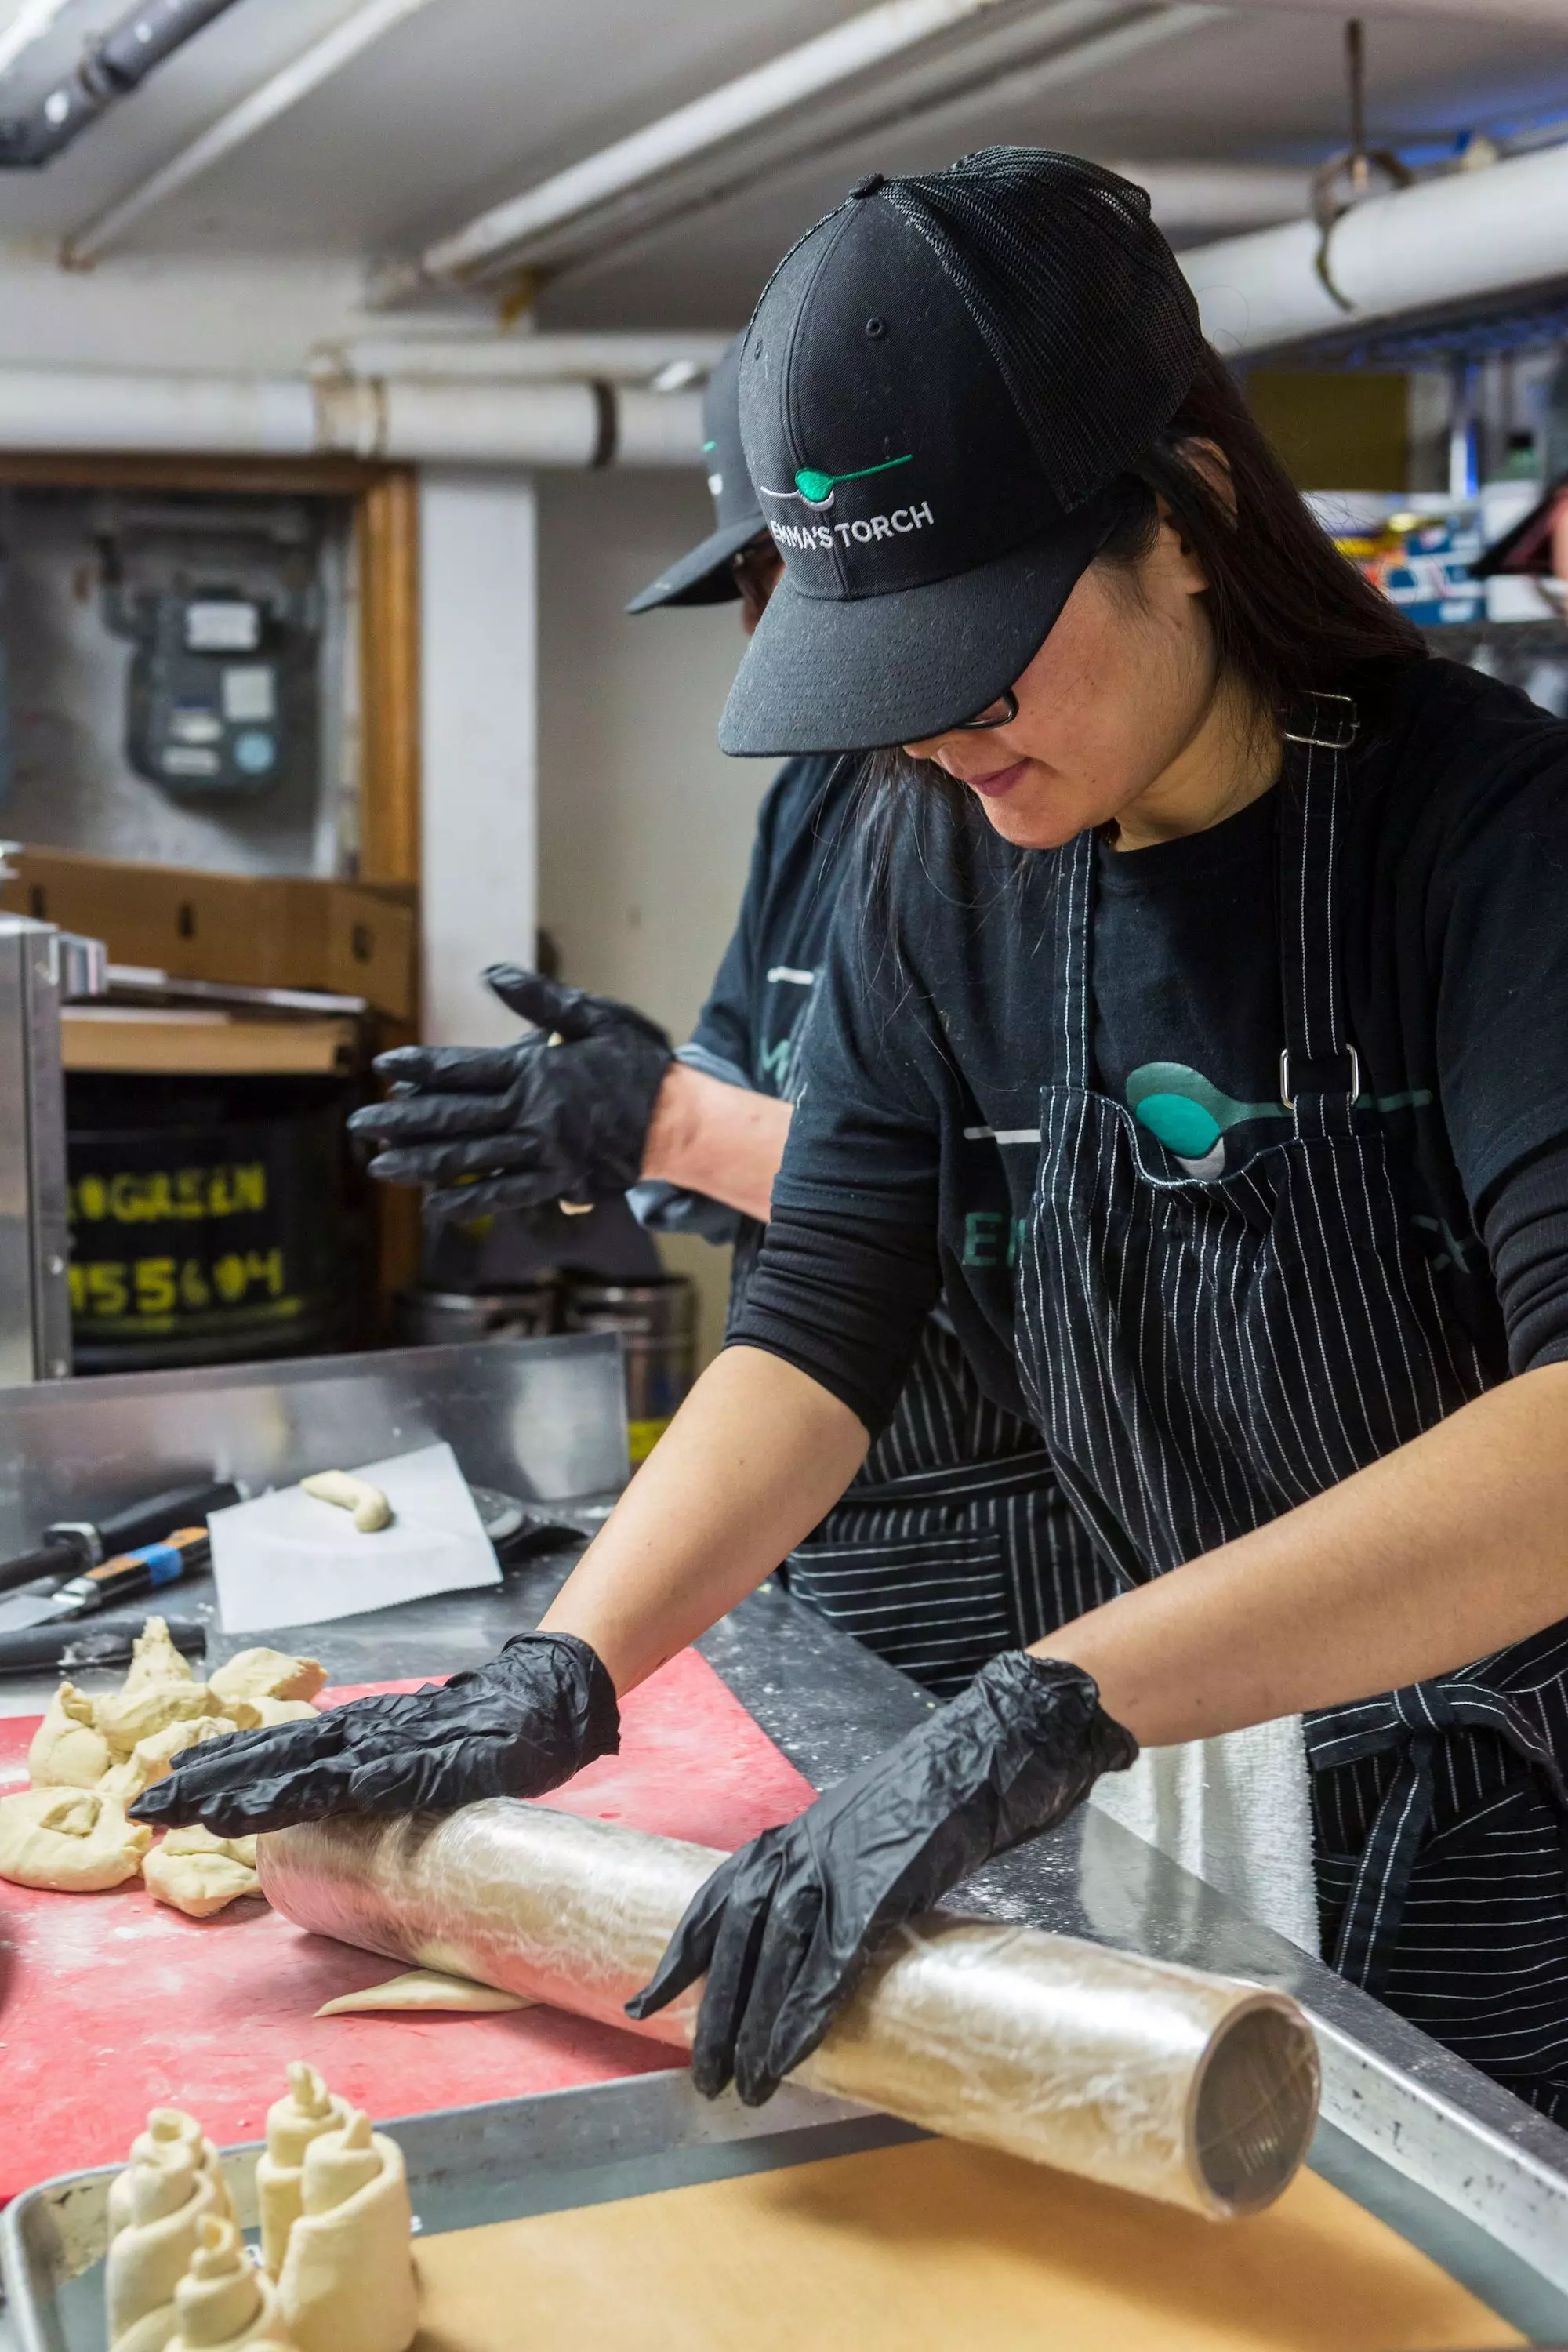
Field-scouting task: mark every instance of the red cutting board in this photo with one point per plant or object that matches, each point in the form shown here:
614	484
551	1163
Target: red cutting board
112	2003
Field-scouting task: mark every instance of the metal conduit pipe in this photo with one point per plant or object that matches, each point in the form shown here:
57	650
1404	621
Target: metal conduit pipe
1447	240
421	421
108	70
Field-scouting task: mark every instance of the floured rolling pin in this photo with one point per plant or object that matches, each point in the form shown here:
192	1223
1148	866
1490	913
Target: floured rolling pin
1194	2089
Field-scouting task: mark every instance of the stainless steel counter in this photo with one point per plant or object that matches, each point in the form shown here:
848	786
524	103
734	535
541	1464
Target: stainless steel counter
1494	2173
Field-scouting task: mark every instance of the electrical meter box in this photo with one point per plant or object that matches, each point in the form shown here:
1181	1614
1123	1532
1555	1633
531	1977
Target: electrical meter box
223	611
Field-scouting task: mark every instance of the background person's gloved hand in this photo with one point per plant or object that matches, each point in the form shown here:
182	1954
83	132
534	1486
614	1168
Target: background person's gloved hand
784	1929
514	1127
516	1727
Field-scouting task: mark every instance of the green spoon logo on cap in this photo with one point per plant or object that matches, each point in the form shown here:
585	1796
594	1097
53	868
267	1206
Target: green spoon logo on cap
817	488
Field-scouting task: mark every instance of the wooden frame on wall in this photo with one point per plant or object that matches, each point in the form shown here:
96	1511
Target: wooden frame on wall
386	538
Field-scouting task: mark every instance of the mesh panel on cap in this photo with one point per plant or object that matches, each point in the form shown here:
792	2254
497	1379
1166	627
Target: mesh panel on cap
1078	295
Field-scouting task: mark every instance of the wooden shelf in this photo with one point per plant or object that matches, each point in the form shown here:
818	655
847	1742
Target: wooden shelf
155	1040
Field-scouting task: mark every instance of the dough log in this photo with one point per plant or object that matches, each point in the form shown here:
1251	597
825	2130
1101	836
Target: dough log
371	1509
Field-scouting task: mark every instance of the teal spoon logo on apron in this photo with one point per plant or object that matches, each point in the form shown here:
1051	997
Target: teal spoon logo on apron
1189	1116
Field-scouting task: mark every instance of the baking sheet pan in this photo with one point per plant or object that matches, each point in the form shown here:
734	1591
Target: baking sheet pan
498	2162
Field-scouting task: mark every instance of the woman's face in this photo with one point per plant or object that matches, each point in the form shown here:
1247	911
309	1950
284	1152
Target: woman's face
1115	711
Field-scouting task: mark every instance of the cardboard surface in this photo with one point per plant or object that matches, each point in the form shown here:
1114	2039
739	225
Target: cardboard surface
928	2247
111	2003
254	930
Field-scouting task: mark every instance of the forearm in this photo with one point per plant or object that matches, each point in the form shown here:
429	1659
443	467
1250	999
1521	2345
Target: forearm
1452	1547
755	1456
721	1140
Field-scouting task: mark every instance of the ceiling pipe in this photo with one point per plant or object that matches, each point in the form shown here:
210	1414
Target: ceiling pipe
1218	196
422	421
630	359
689	162
110	70
275	96
1447	240
1544	16
783	90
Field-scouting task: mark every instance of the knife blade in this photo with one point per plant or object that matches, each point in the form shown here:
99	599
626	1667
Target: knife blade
187	1552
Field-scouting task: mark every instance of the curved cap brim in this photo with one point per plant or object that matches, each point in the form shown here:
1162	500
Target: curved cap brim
703	575
859	673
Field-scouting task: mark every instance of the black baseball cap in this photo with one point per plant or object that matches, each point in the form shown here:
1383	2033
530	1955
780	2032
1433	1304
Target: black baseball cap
941	389
704	576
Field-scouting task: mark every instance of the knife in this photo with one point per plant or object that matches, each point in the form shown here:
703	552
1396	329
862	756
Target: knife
71	1649
72	1544
185	1553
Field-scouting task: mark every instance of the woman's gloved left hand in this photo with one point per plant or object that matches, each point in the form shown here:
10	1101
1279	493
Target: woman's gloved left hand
784	1929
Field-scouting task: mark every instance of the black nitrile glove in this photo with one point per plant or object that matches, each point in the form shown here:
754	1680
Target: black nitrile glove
520	1726
784	1929
514	1127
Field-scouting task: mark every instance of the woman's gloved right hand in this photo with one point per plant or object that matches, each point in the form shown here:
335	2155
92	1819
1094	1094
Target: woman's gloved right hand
519	1727
516	1127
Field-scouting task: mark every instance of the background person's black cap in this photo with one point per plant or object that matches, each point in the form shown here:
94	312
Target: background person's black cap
704	576
940	389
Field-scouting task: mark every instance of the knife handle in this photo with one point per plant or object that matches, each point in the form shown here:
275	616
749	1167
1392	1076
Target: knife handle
147	1522
188	1550
73	1648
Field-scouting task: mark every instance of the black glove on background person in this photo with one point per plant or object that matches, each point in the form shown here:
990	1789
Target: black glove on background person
785	1928
514	1127
517	1727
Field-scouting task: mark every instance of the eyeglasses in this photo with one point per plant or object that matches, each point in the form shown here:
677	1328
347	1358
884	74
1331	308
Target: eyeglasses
1000	713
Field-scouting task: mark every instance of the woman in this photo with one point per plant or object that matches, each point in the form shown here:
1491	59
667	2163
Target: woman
1204	1029
954	1541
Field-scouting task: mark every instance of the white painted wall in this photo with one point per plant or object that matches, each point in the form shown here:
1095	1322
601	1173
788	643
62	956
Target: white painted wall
478	684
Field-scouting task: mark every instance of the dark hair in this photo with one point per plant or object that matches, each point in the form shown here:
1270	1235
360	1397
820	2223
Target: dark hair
1289	612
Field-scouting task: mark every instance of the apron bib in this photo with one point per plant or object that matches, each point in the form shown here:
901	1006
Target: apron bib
1201	1356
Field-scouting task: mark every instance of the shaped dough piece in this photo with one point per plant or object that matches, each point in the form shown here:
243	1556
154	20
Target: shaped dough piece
168	2128
198	1874
347	2283
155	1659
152	1758
129	1716
72	1841
371	1509
68	1751
424	1990
222	2301
163	2198
306	2111
268	1674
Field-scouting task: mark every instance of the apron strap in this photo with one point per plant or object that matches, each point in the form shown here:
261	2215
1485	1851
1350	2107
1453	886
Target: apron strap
1411	1722
1319	1074
1074	898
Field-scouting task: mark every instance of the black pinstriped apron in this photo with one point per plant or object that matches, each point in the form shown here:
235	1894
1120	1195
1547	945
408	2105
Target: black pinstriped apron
955	1541
1201	1356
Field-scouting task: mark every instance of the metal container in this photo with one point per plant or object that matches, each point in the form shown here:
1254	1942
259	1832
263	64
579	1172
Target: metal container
438	1319
656	1324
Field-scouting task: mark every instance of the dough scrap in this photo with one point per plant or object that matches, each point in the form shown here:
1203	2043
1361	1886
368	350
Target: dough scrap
198	1874
72	1841
284	1710
68	1750
268	1674
426	1992
152	1759
129	1716
371	1509
155	1659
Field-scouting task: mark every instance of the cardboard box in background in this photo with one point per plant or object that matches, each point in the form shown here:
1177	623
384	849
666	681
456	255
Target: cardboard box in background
252	930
